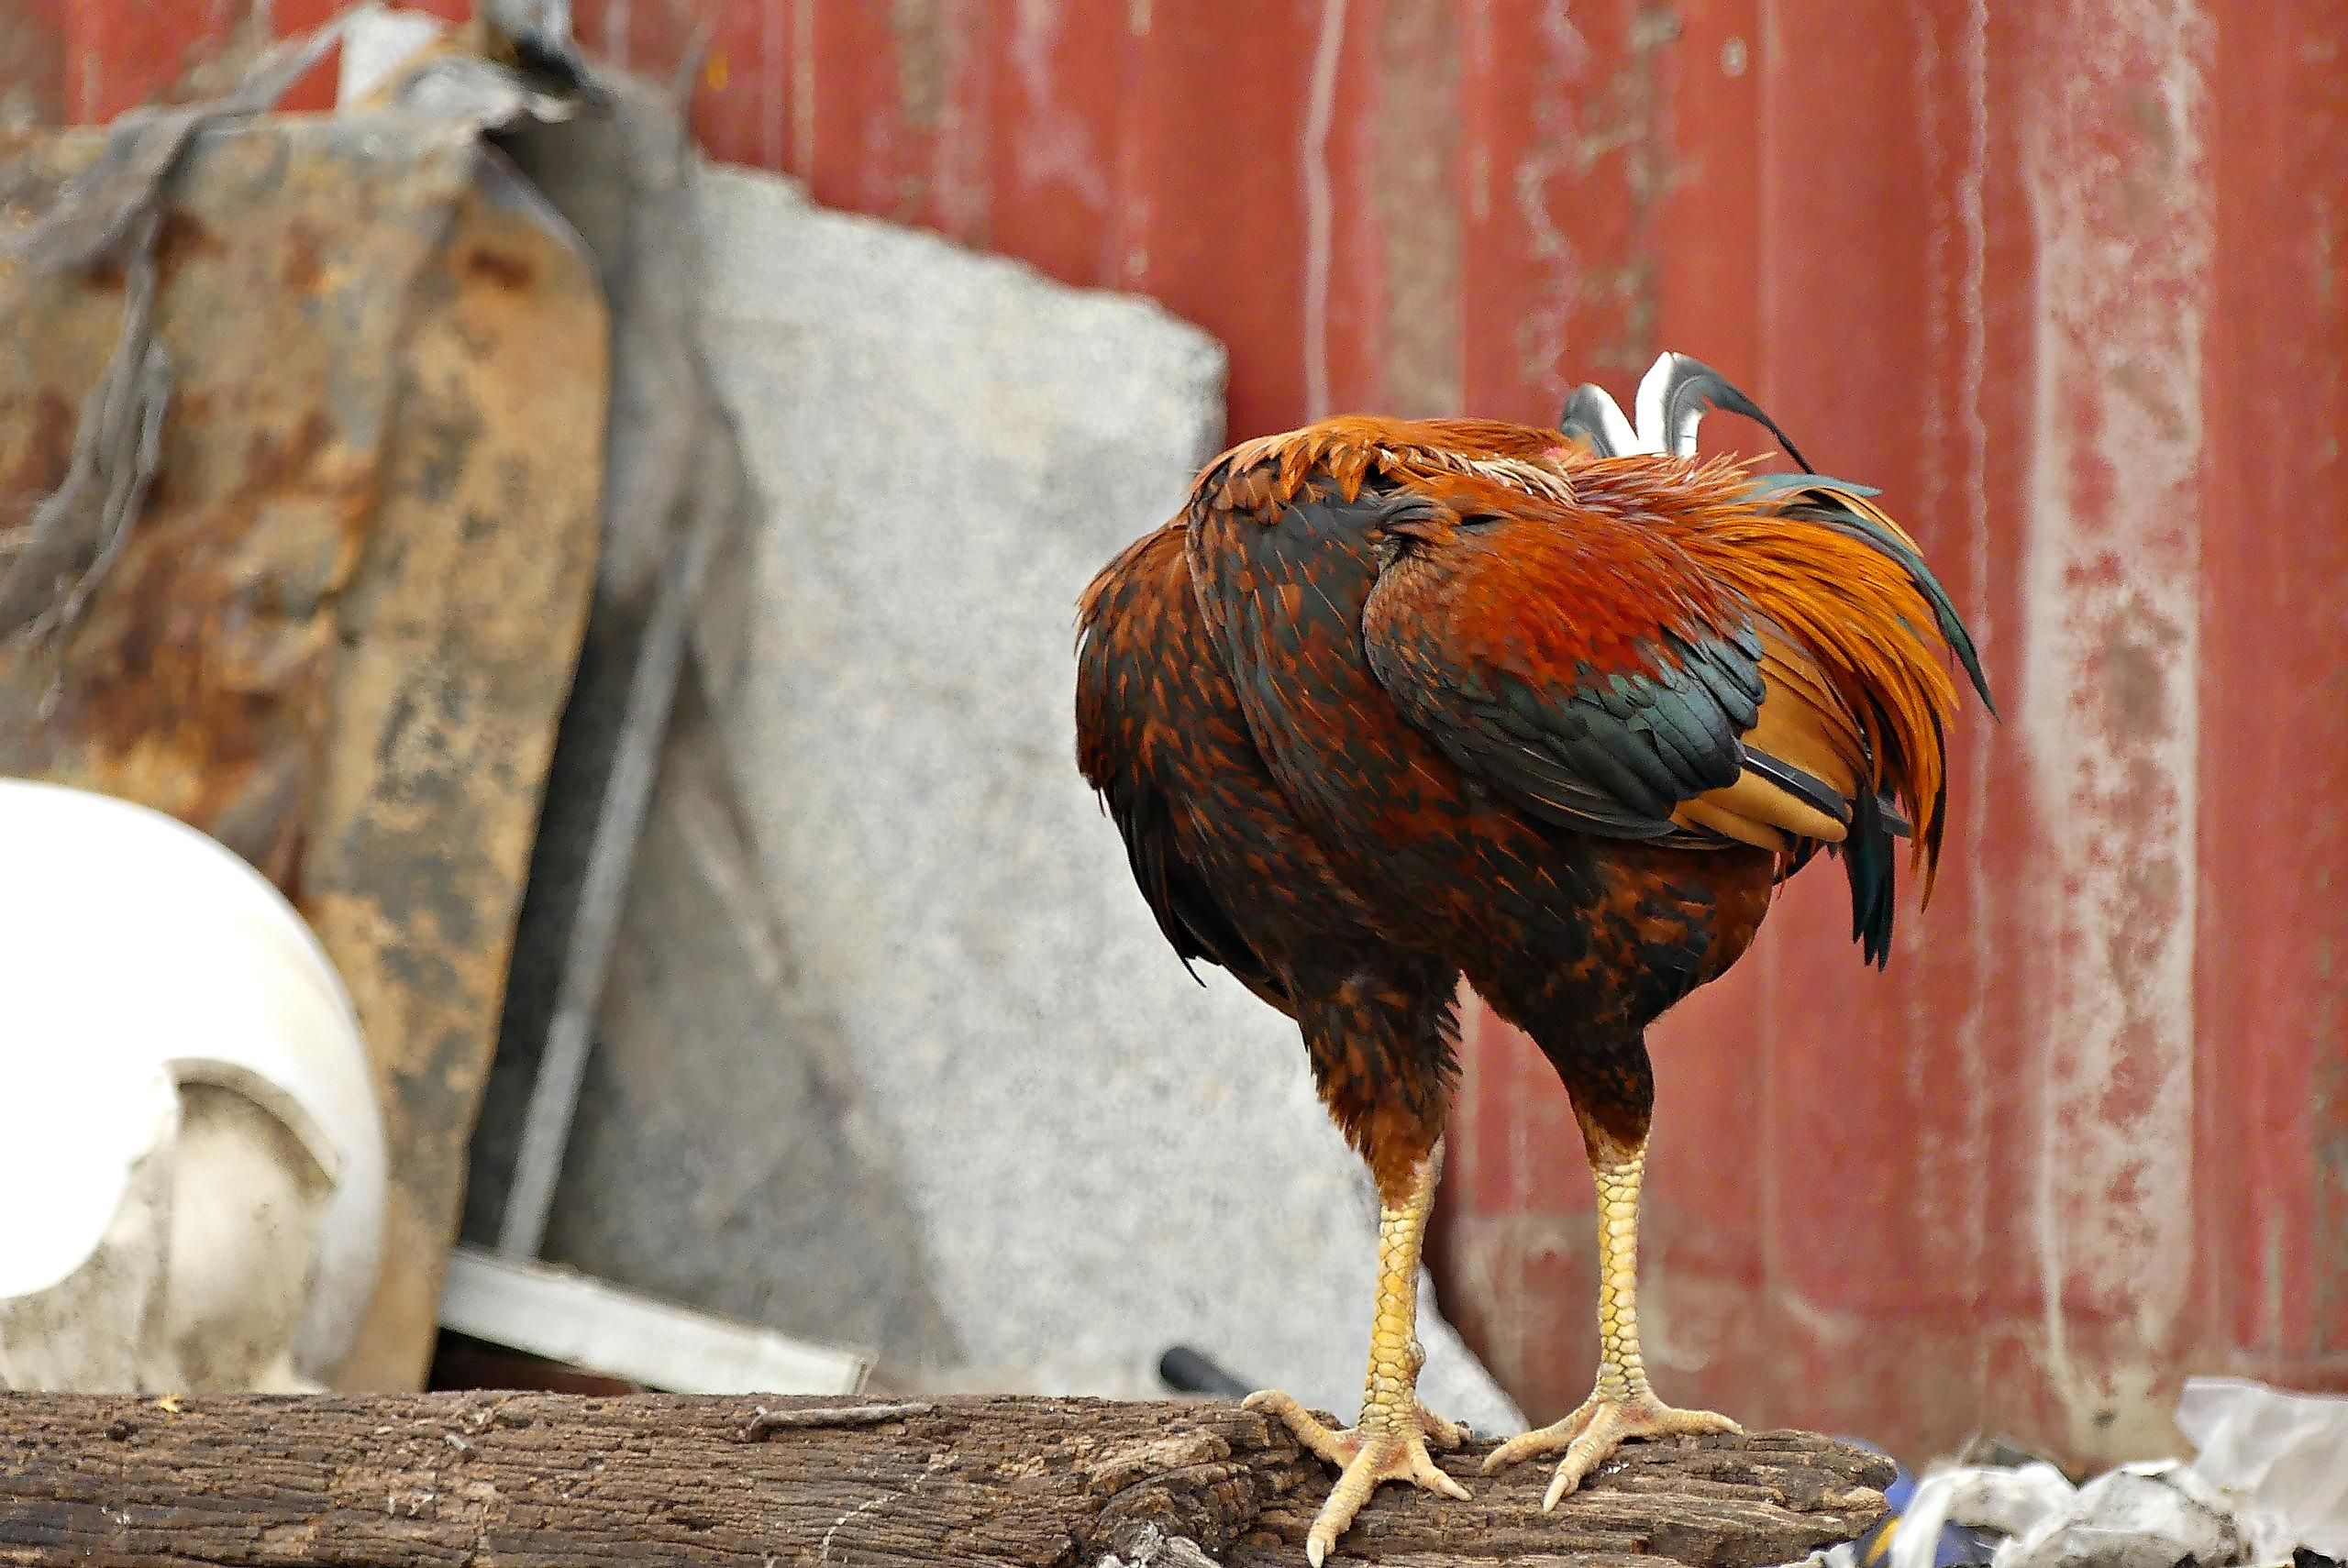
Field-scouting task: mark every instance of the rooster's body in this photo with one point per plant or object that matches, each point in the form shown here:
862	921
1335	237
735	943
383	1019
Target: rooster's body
1394	702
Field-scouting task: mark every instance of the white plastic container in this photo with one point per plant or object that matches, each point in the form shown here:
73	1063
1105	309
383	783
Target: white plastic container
191	1147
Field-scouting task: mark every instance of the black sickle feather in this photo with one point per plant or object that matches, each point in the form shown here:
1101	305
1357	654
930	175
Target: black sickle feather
1693	385
1585	417
1868	857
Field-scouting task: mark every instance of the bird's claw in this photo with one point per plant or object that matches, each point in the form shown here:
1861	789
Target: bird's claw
1595	1430
1364	1458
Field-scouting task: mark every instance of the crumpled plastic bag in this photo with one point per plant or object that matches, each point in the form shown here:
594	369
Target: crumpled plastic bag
2009	1501
2270	1477
2139	1516
2279	1460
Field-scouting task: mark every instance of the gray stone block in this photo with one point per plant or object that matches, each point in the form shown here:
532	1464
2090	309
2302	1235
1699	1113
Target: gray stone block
1102	1157
722	1156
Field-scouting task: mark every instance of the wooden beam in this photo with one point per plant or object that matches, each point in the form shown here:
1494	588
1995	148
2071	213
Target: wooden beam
534	1481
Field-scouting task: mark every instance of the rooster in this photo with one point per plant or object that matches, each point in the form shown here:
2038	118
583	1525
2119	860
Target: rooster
1393	702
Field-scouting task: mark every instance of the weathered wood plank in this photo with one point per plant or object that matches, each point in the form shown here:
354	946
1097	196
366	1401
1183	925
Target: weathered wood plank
536	1480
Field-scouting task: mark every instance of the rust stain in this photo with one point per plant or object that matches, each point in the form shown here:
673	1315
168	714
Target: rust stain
47	421
2138	651
275	463
181	237
1597	131
509	273
305	266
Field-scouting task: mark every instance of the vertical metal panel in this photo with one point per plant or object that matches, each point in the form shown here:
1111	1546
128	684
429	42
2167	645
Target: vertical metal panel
1874	1114
2117	187
2065	280
2272	1137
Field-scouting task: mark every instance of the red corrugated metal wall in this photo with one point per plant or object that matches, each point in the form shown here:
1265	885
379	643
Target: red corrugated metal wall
2064	277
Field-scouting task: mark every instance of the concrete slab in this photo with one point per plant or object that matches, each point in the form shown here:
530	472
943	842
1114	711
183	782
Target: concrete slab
1104	1158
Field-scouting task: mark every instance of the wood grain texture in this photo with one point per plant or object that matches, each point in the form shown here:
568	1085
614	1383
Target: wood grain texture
527	1480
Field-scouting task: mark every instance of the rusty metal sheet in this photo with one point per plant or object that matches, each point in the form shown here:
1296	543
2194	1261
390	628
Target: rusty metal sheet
2066	279
2047	274
2081	1139
341	633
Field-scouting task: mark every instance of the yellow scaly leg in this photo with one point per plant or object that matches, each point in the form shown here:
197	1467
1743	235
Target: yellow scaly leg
1388	1443
1622	1406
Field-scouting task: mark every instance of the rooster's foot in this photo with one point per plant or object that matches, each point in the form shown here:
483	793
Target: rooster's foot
1364	1458
1595	1430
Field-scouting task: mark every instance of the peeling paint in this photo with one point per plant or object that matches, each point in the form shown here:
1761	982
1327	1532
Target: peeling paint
1053	145
1414	196
1610	128
2120	206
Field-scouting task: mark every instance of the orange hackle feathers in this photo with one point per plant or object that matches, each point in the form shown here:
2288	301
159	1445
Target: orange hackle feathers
1854	678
